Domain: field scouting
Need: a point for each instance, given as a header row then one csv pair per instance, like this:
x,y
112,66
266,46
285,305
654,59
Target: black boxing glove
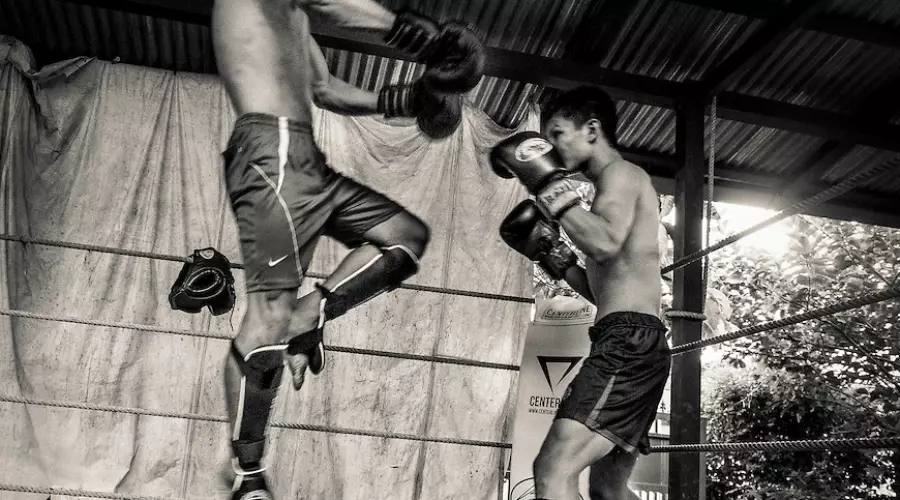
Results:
x,y
537,165
452,53
413,33
455,61
528,232
437,114
204,281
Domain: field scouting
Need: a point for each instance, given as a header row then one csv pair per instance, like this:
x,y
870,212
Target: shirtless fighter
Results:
x,y
285,196
606,412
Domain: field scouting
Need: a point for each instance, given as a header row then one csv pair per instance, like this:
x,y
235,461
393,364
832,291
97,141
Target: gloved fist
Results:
x,y
452,53
437,114
530,158
528,232
412,32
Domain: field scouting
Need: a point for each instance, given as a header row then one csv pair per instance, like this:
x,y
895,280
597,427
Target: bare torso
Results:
x,y
631,280
263,57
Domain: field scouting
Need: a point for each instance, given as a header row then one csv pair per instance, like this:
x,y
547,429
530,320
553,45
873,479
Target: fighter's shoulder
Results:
x,y
624,172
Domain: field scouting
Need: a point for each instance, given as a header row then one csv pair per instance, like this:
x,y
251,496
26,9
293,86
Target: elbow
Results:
x,y
604,252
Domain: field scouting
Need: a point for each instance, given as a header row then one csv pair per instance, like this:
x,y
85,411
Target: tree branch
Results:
x,y
890,382
842,240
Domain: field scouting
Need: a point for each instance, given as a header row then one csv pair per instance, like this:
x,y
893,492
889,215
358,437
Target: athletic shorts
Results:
x,y
284,196
617,391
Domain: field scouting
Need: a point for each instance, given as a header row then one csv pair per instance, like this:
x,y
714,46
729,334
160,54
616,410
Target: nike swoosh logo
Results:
x,y
273,263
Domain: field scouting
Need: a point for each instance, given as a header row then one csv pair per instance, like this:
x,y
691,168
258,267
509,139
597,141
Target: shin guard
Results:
x,y
385,272
261,375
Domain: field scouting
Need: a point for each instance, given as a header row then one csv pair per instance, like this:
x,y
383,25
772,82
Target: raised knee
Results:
x,y
267,319
416,237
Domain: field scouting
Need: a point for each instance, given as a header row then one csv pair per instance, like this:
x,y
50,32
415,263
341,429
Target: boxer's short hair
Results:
x,y
582,104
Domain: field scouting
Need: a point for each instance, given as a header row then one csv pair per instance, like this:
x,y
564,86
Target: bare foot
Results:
x,y
297,364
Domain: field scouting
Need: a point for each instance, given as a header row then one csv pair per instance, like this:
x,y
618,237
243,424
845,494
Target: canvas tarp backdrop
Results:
x,y
129,157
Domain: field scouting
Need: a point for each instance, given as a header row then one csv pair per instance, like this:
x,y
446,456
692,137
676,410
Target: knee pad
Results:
x,y
383,273
261,375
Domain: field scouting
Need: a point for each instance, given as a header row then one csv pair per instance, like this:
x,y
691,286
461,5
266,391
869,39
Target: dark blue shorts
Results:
x,y
617,391
284,196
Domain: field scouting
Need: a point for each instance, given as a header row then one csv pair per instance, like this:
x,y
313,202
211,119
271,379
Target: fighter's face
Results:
x,y
573,142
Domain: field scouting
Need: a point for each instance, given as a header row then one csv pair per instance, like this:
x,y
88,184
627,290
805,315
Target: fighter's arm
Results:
x,y
351,14
334,94
577,279
600,232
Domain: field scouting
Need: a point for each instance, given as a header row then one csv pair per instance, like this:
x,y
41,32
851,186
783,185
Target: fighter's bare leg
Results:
x,y
390,255
569,448
609,477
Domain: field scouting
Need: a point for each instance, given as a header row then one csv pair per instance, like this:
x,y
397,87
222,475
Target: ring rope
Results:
x,y
214,418
710,183
235,265
838,307
686,315
802,445
838,189
224,336
68,492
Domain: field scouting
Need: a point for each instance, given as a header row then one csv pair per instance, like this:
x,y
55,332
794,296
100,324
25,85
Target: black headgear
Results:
x,y
205,280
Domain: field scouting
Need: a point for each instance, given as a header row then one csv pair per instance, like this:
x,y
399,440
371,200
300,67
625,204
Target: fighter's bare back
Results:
x,y
263,56
631,281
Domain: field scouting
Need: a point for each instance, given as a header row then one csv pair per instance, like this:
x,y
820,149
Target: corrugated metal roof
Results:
x,y
55,29
822,71
861,157
676,41
763,150
659,38
882,12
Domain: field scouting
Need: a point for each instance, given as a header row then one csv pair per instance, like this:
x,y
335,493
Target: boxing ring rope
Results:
x,y
846,185
18,488
224,336
802,445
834,308
680,349
776,446
176,258
222,419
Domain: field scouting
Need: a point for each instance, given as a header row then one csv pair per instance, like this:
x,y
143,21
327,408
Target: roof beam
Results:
x,y
832,24
760,43
734,186
880,105
809,121
563,74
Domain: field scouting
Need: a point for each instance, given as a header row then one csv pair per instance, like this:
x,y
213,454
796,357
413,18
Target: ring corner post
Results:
x,y
687,469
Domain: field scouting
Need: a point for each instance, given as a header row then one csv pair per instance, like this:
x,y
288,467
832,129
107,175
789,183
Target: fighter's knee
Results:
x,y
550,467
417,236
267,319
545,468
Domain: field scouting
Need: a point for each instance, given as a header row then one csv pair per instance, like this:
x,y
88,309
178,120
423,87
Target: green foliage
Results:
x,y
764,404
835,377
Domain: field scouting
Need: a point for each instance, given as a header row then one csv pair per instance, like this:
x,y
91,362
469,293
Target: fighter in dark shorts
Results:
x,y
285,196
608,409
